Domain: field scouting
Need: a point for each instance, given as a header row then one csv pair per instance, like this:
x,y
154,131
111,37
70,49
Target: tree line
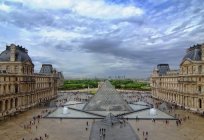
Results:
x,y
93,83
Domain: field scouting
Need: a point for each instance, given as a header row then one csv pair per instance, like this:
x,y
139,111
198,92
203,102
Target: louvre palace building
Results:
x,y
20,87
184,87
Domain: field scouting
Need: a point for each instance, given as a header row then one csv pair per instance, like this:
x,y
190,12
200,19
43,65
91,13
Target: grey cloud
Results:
x,y
43,60
161,35
150,57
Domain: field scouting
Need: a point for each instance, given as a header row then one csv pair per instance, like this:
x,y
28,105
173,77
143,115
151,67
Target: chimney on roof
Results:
x,y
13,52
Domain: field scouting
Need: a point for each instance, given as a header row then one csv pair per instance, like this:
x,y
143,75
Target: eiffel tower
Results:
x,y
107,99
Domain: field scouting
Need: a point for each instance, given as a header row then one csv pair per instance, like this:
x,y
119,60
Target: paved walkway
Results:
x,y
115,132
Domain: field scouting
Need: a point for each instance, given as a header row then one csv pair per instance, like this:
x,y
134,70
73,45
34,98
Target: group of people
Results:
x,y
34,123
102,133
35,120
87,125
46,136
144,134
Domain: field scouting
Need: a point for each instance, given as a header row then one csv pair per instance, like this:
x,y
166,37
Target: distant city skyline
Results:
x,y
102,38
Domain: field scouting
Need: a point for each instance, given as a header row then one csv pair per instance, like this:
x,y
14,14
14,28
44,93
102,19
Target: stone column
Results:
x,y
13,104
1,89
3,105
9,107
22,101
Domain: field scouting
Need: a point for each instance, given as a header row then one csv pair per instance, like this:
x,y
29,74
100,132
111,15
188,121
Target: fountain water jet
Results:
x,y
65,110
153,112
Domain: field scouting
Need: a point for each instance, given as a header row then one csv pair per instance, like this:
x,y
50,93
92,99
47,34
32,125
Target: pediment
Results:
x,y
28,62
186,62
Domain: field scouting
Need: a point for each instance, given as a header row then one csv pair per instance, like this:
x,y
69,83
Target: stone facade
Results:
x,y
20,87
184,87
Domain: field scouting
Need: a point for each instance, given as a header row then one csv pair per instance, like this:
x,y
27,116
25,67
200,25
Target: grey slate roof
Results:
x,y
46,69
194,53
21,54
163,68
60,75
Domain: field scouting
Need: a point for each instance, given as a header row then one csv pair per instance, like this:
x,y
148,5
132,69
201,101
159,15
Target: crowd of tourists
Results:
x,y
33,125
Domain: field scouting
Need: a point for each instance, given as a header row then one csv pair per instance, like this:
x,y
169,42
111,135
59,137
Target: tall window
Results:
x,y
199,89
200,103
199,69
16,69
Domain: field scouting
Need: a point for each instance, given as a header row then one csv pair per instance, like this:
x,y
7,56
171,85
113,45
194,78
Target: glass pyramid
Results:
x,y
107,99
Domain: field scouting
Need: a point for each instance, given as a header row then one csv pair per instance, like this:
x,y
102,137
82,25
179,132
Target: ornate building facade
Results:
x,y
20,87
184,87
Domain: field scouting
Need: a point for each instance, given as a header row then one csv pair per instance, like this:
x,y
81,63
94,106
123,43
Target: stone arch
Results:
x,y
4,88
6,105
11,103
1,106
16,102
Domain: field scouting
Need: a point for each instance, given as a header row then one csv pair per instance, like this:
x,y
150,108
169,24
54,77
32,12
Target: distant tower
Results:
x,y
13,52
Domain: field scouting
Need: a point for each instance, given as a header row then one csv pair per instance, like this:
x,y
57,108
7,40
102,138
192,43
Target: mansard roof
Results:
x,y
21,54
46,69
193,53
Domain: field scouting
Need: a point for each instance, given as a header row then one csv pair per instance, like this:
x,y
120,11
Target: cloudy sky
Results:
x,y
88,38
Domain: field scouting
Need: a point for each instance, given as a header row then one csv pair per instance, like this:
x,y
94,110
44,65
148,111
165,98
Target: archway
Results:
x,y
16,102
1,106
11,103
6,105
200,103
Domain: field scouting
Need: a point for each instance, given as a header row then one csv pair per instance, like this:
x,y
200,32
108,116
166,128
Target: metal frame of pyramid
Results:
x,y
107,99
110,119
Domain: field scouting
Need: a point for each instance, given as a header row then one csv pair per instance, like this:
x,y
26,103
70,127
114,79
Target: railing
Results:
x,y
28,81
186,81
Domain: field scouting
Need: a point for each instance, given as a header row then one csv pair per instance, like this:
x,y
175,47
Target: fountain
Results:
x,y
65,110
153,112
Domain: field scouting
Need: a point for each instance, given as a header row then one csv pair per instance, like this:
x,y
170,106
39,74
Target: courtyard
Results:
x,y
23,126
